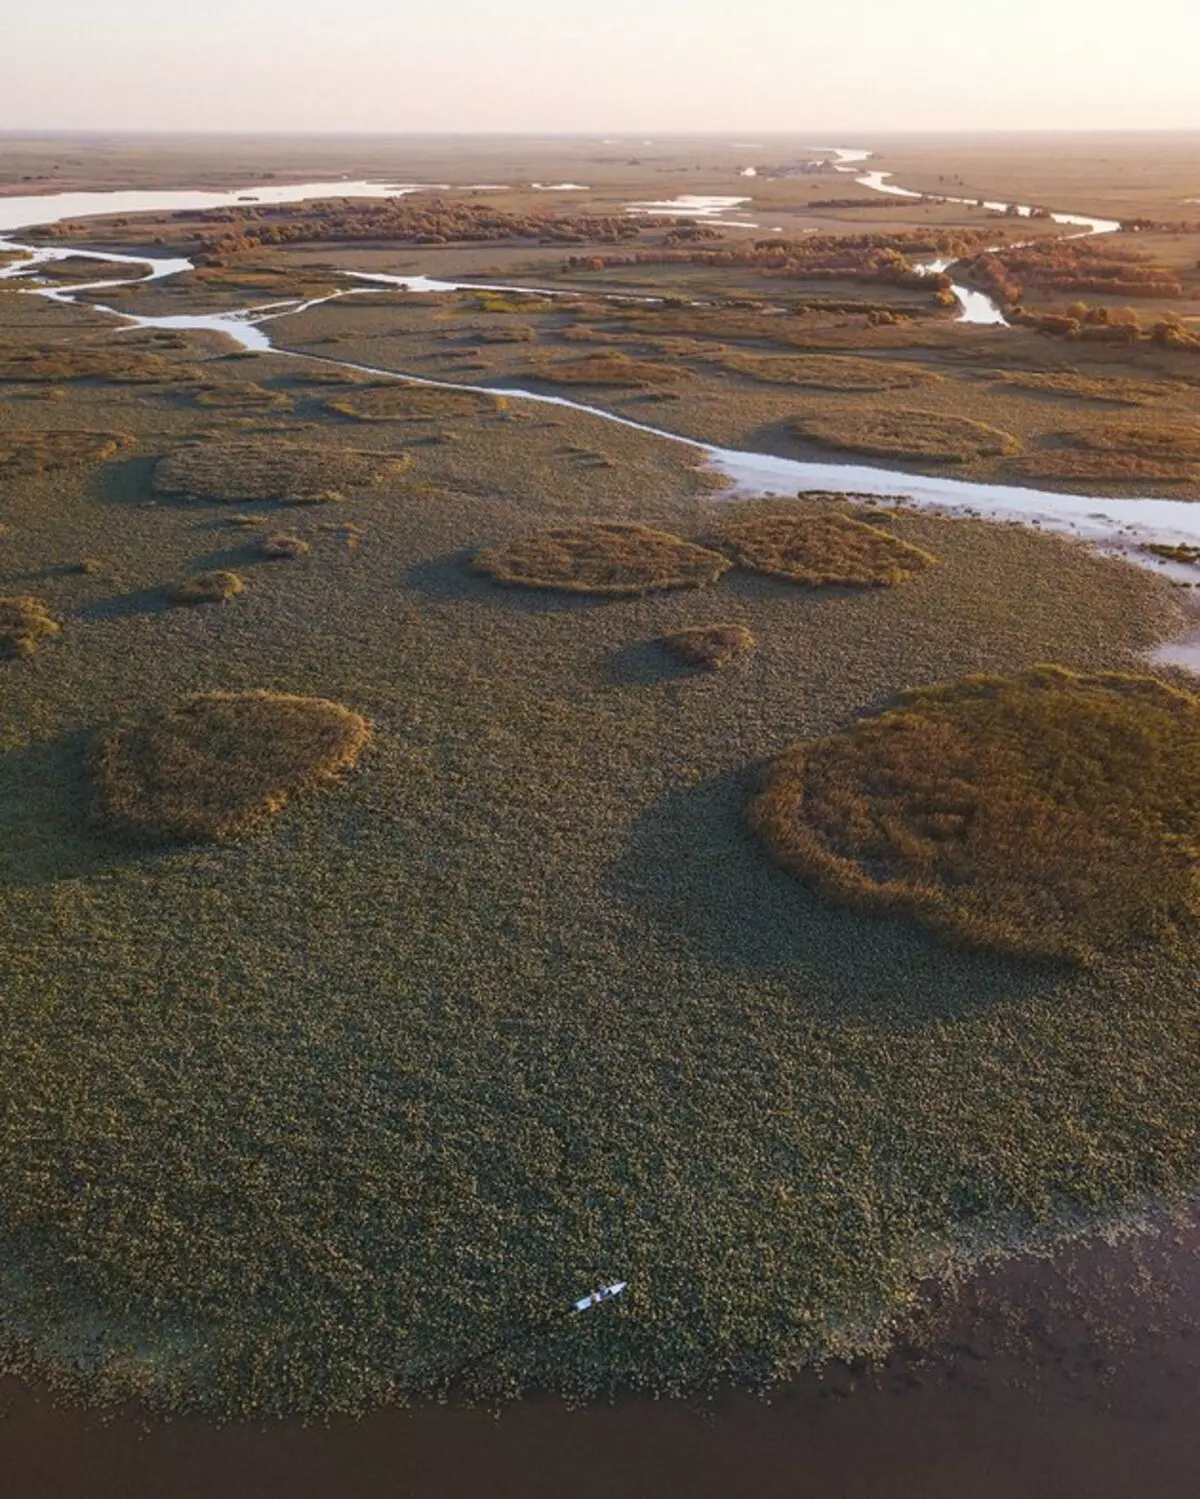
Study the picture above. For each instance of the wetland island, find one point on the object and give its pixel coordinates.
(599, 800)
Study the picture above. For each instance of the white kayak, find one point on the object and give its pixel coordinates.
(605, 1293)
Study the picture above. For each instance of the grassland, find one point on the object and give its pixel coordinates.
(350, 1108)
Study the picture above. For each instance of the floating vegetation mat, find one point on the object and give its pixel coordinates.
(905, 435)
(830, 371)
(602, 557)
(236, 471)
(219, 762)
(820, 549)
(1048, 815)
(24, 453)
(23, 623)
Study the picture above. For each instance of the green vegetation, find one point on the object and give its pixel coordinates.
(24, 452)
(233, 471)
(712, 646)
(1049, 815)
(819, 547)
(601, 557)
(23, 623)
(207, 588)
(830, 371)
(905, 435)
(398, 402)
(217, 763)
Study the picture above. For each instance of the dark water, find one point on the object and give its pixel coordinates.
(1073, 1380)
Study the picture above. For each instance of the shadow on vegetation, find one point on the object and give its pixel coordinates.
(693, 867)
(648, 663)
(44, 799)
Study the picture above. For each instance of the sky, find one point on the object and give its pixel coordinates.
(609, 65)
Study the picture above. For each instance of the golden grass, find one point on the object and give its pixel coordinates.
(248, 469)
(120, 361)
(207, 588)
(830, 371)
(241, 393)
(608, 369)
(26, 452)
(1049, 815)
(602, 557)
(1183, 552)
(712, 646)
(1071, 386)
(905, 434)
(23, 623)
(1095, 467)
(398, 403)
(281, 546)
(217, 763)
(1165, 442)
(819, 547)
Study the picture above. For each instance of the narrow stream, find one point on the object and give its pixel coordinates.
(1117, 525)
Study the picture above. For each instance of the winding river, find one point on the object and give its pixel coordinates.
(1121, 525)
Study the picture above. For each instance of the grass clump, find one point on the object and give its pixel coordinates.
(207, 588)
(217, 763)
(820, 548)
(906, 434)
(829, 371)
(1181, 552)
(610, 368)
(25, 453)
(122, 363)
(241, 393)
(712, 646)
(1072, 386)
(1047, 815)
(401, 403)
(280, 546)
(23, 624)
(602, 557)
(235, 471)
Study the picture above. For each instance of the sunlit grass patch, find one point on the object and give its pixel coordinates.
(217, 763)
(1049, 815)
(237, 470)
(1110, 390)
(121, 361)
(819, 547)
(602, 557)
(399, 402)
(240, 393)
(712, 646)
(1115, 451)
(23, 453)
(830, 371)
(24, 622)
(280, 546)
(905, 434)
(207, 588)
(610, 368)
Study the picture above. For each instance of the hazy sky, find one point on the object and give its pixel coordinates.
(604, 65)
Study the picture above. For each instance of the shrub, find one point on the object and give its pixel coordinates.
(216, 763)
(819, 547)
(602, 557)
(281, 546)
(23, 623)
(713, 646)
(399, 402)
(207, 588)
(1049, 814)
(918, 436)
(24, 453)
(248, 469)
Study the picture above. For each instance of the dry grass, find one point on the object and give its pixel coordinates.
(830, 371)
(608, 369)
(207, 588)
(1072, 464)
(1181, 553)
(1049, 815)
(602, 557)
(235, 471)
(23, 623)
(1160, 441)
(122, 362)
(24, 453)
(906, 435)
(399, 403)
(241, 393)
(712, 646)
(1071, 386)
(281, 546)
(217, 763)
(1115, 451)
(819, 547)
